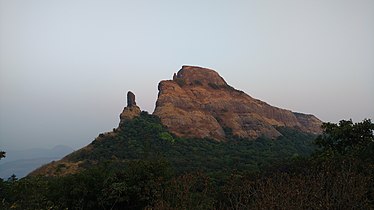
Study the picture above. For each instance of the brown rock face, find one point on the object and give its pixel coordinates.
(131, 111)
(197, 75)
(131, 99)
(199, 103)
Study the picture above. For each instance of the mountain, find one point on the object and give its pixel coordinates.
(198, 103)
(199, 123)
(22, 162)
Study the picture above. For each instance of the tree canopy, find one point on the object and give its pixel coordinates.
(142, 172)
(347, 138)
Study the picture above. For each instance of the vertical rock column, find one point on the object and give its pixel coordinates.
(131, 111)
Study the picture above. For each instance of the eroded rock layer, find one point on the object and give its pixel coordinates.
(198, 103)
(131, 110)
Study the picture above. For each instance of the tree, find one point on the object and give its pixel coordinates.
(138, 185)
(346, 137)
(12, 178)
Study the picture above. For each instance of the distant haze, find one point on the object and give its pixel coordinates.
(23, 162)
(65, 66)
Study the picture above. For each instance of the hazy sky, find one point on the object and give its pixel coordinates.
(65, 66)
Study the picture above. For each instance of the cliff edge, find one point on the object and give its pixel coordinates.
(198, 103)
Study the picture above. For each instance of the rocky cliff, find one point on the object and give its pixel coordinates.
(131, 110)
(71, 165)
(198, 103)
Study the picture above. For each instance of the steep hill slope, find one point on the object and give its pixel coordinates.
(22, 162)
(200, 123)
(145, 138)
(199, 103)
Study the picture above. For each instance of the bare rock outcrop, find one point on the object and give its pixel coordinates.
(130, 99)
(198, 103)
(131, 110)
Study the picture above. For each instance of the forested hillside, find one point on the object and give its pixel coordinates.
(145, 138)
(141, 165)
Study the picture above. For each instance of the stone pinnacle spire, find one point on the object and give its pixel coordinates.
(131, 99)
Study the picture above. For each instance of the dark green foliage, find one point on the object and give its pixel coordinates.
(166, 136)
(136, 185)
(142, 166)
(145, 138)
(188, 191)
(146, 184)
(12, 178)
(80, 190)
(347, 138)
(331, 185)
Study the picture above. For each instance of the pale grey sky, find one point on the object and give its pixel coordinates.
(65, 66)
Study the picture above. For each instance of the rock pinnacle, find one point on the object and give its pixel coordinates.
(131, 99)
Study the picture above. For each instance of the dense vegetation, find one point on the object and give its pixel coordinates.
(144, 138)
(140, 165)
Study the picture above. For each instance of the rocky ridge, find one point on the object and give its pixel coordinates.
(65, 166)
(131, 110)
(198, 103)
